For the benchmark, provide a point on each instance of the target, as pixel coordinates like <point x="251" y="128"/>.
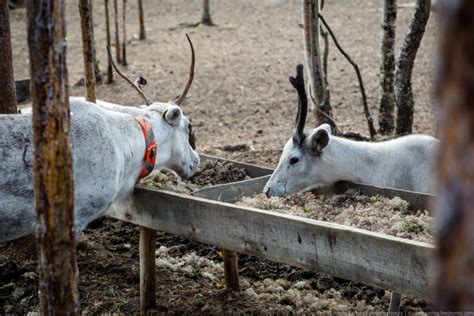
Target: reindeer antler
<point x="191" y="75"/>
<point x="136" y="85"/>
<point x="298" y="83"/>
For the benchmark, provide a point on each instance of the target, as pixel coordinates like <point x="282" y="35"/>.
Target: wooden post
<point x="141" y="20"/>
<point x="147" y="269"/>
<point x="395" y="300"/>
<point x="124" y="41"/>
<point x="110" y="75"/>
<point x="455" y="93"/>
<point x="117" y="36"/>
<point x="87" y="49"/>
<point x="231" y="270"/>
<point x="8" y="102"/>
<point x="54" y="196"/>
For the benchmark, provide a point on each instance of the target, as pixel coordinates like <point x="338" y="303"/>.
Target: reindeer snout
<point x="266" y="190"/>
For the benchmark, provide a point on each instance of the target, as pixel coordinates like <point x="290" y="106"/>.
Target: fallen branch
<point x="370" y="121"/>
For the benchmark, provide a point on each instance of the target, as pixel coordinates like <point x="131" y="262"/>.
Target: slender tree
<point x="387" y="68"/>
<point x="110" y="75"/>
<point x="124" y="41"/>
<point x="52" y="158"/>
<point x="206" y="13"/>
<point x="406" y="60"/>
<point x="98" y="75"/>
<point x="317" y="86"/>
<point x="8" y="104"/>
<point x="455" y="93"/>
<point x="117" y="36"/>
<point x="87" y="48"/>
<point x="141" y="20"/>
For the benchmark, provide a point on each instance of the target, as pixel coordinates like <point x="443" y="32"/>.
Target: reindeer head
<point x="302" y="163"/>
<point x="172" y="130"/>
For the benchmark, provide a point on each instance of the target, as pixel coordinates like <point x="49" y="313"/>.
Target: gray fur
<point x="403" y="163"/>
<point x="108" y="150"/>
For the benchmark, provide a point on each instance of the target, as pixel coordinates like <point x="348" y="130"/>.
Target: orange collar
<point x="150" y="145"/>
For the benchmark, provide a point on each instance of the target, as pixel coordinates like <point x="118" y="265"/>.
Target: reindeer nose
<point x="267" y="192"/>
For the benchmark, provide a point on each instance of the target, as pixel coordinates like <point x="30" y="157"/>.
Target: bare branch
<point x="370" y="121"/>
<point x="136" y="87"/>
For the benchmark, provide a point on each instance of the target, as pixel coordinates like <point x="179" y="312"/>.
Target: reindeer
<point x="316" y="158"/>
<point x="111" y="151"/>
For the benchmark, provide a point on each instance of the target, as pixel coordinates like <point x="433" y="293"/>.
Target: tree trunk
<point x="54" y="198"/>
<point x="87" y="49"/>
<point x="124" y="42"/>
<point x="117" y="36"/>
<point x="206" y="14"/>
<point x="141" y="20"/>
<point x="317" y="87"/>
<point x="406" y="60"/>
<point x="455" y="93"/>
<point x="8" y="104"/>
<point x="387" y="68"/>
<point x="98" y="75"/>
<point x="110" y="75"/>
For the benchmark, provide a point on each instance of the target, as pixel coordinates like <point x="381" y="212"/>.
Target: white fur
<point x="108" y="150"/>
<point x="403" y="163"/>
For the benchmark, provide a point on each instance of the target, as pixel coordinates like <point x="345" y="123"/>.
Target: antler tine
<point x="139" y="82"/>
<point x="298" y="83"/>
<point x="135" y="86"/>
<point x="191" y="74"/>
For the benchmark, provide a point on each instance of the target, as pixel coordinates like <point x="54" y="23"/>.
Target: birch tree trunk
<point x="455" y="93"/>
<point x="406" y="60"/>
<point x="206" y="14"/>
<point x="141" y="20"/>
<point x="54" y="198"/>
<point x="317" y="87"/>
<point x="87" y="49"/>
<point x="110" y="75"/>
<point x="117" y="36"/>
<point x="387" y="68"/>
<point x="124" y="41"/>
<point x="8" y="104"/>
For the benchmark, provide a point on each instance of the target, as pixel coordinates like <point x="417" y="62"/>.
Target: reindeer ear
<point x="318" y="141"/>
<point x="327" y="127"/>
<point x="173" y="116"/>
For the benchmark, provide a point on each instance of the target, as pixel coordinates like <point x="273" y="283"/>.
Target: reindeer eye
<point x="294" y="160"/>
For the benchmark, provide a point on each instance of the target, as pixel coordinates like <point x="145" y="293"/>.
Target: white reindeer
<point x="108" y="157"/>
<point x="316" y="158"/>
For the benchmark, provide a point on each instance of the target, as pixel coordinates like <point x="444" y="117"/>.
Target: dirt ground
<point x="240" y="94"/>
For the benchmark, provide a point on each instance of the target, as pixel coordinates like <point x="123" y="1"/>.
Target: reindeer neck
<point x="129" y="143"/>
<point x="353" y="161"/>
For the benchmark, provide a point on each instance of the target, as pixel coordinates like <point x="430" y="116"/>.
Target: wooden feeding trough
<point x="208" y="216"/>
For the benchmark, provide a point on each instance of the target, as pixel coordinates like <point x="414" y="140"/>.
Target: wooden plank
<point x="253" y="171"/>
<point x="395" y="300"/>
<point x="375" y="259"/>
<point x="147" y="248"/>
<point x="232" y="192"/>
<point x="231" y="270"/>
